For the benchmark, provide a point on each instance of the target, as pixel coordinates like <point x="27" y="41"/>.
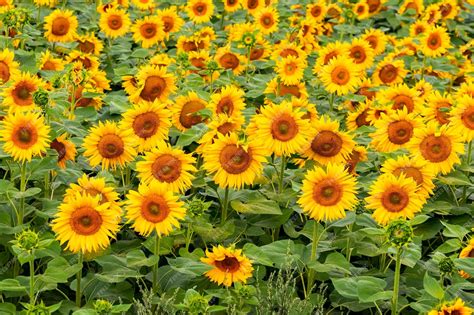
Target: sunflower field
<point x="236" y="157"/>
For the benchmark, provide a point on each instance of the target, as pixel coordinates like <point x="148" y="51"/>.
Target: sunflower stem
<point x="314" y="249"/>
<point x="80" y="259"/>
<point x="222" y="19"/>
<point x="468" y="162"/>
<point x="46" y="184"/>
<point x="331" y="102"/>
<point x="224" y="205"/>
<point x="396" y="281"/>
<point x="32" y="278"/>
<point x="282" y="173"/>
<point x="21" y="210"/>
<point x="155" y="267"/>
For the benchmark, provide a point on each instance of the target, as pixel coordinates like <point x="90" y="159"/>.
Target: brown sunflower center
<point x="400" y="101"/>
<point x="148" y="30"/>
<point x="225" y="106"/>
<point x="115" y="22"/>
<point x="360" y="9"/>
<point x="467" y="117"/>
<point x="154" y="208"/>
<point x="256" y="53"/>
<point x="226" y="128"/>
<point x="284" y="128"/>
<point x="188" y="116"/>
<point x="229" y="61"/>
<point x="340" y="75"/>
<point x="86" y="46"/>
<point x="288" y="52"/>
<point x="145" y="125"/>
<point x="252" y="4"/>
<point x="200" y="8"/>
<point x="316" y="11"/>
<point x="228" y="264"/>
<point x="59" y="147"/>
<point x="361" y="119"/>
<point x="434" y="41"/>
<point x="22" y="94"/>
<point x="419" y="29"/>
<point x="358" y="54"/>
<point x="373" y="5"/>
<point x="436" y="148"/>
<point x="289" y="89"/>
<point x="166" y="168"/>
<point x="329" y="56"/>
<point x="290" y="68"/>
<point x="388" y="73"/>
<point x="86" y="221"/>
<point x="60" y="26"/>
<point x="326" y="143"/>
<point x="231" y="3"/>
<point x="395" y="199"/>
<point x="168" y="23"/>
<point x="411" y="172"/>
<point x="372" y="40"/>
<point x="442" y="112"/>
<point x="266" y="20"/>
<point x="327" y="192"/>
<point x="445" y="9"/>
<point x="235" y="159"/>
<point x="400" y="132"/>
<point x="25" y="136"/>
<point x="153" y="88"/>
<point x="4" y="72"/>
<point x="111" y="146"/>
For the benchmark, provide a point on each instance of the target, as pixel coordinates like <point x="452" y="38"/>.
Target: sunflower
<point x="150" y="122"/>
<point x="281" y="129"/>
<point x="154" y="208"/>
<point x="109" y="146"/>
<point x="253" y="6"/>
<point x="455" y="307"/>
<point x="199" y="60"/>
<point x="376" y="39"/>
<point x="153" y="83"/>
<point x="418" y="27"/>
<point x="462" y="117"/>
<point x="60" y="26"/>
<point x="467" y="252"/>
<point x="438" y="107"/>
<point x="448" y="9"/>
<point x="340" y="76"/>
<point x="400" y="97"/>
<point x="229" y="60"/>
<point x="66" y="149"/>
<point x="25" y="135"/>
<point x="439" y="147"/>
<point x="358" y="154"/>
<point x="234" y="163"/>
<point x="315" y="12"/>
<point x="186" y="111"/>
<point x="361" y="9"/>
<point x="361" y="53"/>
<point x="148" y="31"/>
<point x="48" y="62"/>
<point x="328" y="53"/>
<point x="172" y="22"/>
<point x="229" y="265"/>
<point x="290" y="70"/>
<point x="200" y="11"/>
<point x="328" y="192"/>
<point x="88" y="61"/>
<point x="392" y="197"/>
<point x="359" y="117"/>
<point x="435" y="42"/>
<point x="415" y="5"/>
<point x="229" y="101"/>
<point x="162" y="60"/>
<point x="191" y="43"/>
<point x="328" y="144"/>
<point x="267" y="20"/>
<point x="144" y="4"/>
<point x="220" y="124"/>
<point x="49" y="3"/>
<point x="389" y="72"/>
<point x="6" y="5"/>
<point x="8" y="67"/>
<point x="281" y="89"/>
<point x="286" y="48"/>
<point x="231" y="5"/>
<point x="85" y="224"/>
<point x="115" y="23"/>
<point x="466" y="88"/>
<point x="168" y="166"/>
<point x="19" y="95"/>
<point x="423" y="89"/>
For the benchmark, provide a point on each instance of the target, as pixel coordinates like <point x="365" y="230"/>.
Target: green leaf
<point x="11" y="285"/>
<point x="140" y="53"/>
<point x="465" y="264"/>
<point x="188" y="266"/>
<point x="456" y="178"/>
<point x="347" y="287"/>
<point x="191" y="135"/>
<point x="136" y="258"/>
<point x="433" y="287"/>
<point x="453" y="230"/>
<point x="257" y="255"/>
<point x="262" y="206"/>
<point x="28" y="193"/>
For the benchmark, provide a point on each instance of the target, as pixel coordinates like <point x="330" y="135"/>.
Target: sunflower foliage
<point x="236" y="157"/>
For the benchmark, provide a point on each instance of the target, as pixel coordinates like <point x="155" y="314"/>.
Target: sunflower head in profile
<point x="358" y="154"/>
<point x="48" y="62"/>
<point x="228" y="264"/>
<point x="24" y="135"/>
<point x="455" y="307"/>
<point x="150" y="122"/>
<point x="60" y="26"/>
<point x="153" y="83"/>
<point x="154" y="208"/>
<point x="186" y="111"/>
<point x="109" y="146"/>
<point x="389" y="72"/>
<point x="168" y="166"/>
<point x="435" y="41"/>
<point x="467" y="252"/>
<point x="8" y="67"/>
<point x="114" y="23"/>
<point x="148" y="31"/>
<point x="65" y="148"/>
<point x="84" y="224"/>
<point x="462" y="117"/>
<point x="393" y="197"/>
<point x="200" y="11"/>
<point x="228" y="101"/>
<point x="290" y="70"/>
<point x="89" y="44"/>
<point x="438" y="107"/>
<point x="328" y="192"/>
<point x="234" y="163"/>
<point x="341" y="76"/>
<point x="439" y="146"/>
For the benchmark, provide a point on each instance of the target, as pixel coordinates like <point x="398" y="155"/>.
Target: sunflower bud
<point x="41" y="97"/>
<point x="212" y="66"/>
<point x="248" y="39"/>
<point x="102" y="306"/>
<point x="38" y="309"/>
<point x="197" y="304"/>
<point x="197" y="207"/>
<point x="446" y="266"/>
<point x="399" y="233"/>
<point x="246" y="292"/>
<point x="27" y="240"/>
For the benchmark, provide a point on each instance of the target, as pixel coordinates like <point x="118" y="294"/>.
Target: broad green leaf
<point x="188" y="266"/>
<point x="257" y="255"/>
<point x="433" y="287"/>
<point x="11" y="285"/>
<point x="453" y="230"/>
<point x="261" y="206"/>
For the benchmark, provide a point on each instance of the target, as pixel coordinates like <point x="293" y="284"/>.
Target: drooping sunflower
<point x="358" y="154"/>
<point x="25" y="135"/>
<point x="290" y="70"/>
<point x="60" y="26"/>
<point x="340" y="76"/>
<point x="115" y="23"/>
<point x="186" y="111"/>
<point x="435" y="41"/>
<point x="66" y="149"/>
<point x="462" y="117"/>
<point x="153" y="83"/>
<point x="200" y="11"/>
<point x="168" y="166"/>
<point x="148" y="31"/>
<point x="233" y="162"/>
<point x="109" y="146"/>
<point x="229" y="265"/>
<point x="172" y="22"/>
<point x="96" y="187"/>
<point x="48" y="62"/>
<point x="229" y="60"/>
<point x="328" y="144"/>
<point x="361" y="53"/>
<point x="267" y="20"/>
<point x="438" y="107"/>
<point x="328" y="192"/>
<point x="394" y="130"/>
<point x="8" y="67"/>
<point x="393" y="197"/>
<point x="376" y="39"/>
<point x="229" y="101"/>
<point x="281" y="89"/>
<point x="89" y="44"/>
<point x="389" y="72"/>
<point x="19" y="95"/>
<point x="154" y="208"/>
<point x="282" y="129"/>
<point x="150" y="122"/>
<point x="84" y="224"/>
<point x="439" y="146"/>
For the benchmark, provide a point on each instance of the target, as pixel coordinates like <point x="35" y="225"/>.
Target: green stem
<point x="468" y="163"/>
<point x="32" y="279"/>
<point x="222" y="19"/>
<point x="224" y="205"/>
<point x="23" y="180"/>
<point x="155" y="267"/>
<point x="423" y="68"/>
<point x="46" y="184"/>
<point x="331" y="102"/>
<point x="314" y="249"/>
<point x="282" y="174"/>
<point x="396" y="281"/>
<point x="80" y="259"/>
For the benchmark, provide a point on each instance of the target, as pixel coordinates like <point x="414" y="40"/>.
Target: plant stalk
<point x="282" y="173"/>
<point x="155" y="267"/>
<point x="314" y="249"/>
<point x="80" y="259"/>
<point x="32" y="279"/>
<point x="396" y="281"/>
<point x="225" y="205"/>
<point x="21" y="211"/>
